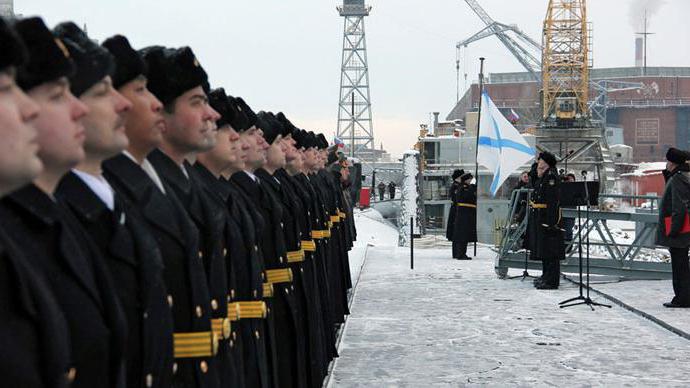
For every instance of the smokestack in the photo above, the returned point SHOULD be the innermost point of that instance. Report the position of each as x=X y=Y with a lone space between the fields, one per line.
x=435 y=121
x=639 y=52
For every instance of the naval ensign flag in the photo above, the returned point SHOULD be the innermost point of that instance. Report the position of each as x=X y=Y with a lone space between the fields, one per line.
x=501 y=147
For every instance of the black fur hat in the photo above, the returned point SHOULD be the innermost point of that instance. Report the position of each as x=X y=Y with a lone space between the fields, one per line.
x=677 y=156
x=466 y=176
x=128 y=62
x=173 y=72
x=219 y=101
x=240 y=122
x=457 y=174
x=549 y=158
x=11 y=46
x=93 y=62
x=248 y=112
x=288 y=127
x=322 y=142
x=270 y=127
x=300 y=137
x=49 y=59
x=311 y=140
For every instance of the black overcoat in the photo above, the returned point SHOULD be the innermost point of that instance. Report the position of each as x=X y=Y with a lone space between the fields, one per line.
x=32 y=326
x=135 y=264
x=58 y=249
x=465 y=220
x=184 y=272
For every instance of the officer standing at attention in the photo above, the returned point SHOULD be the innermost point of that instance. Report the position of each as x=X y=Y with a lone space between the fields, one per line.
x=131 y=252
x=52 y=240
x=545 y=217
x=454 y=186
x=465 y=222
x=136 y=181
x=33 y=327
x=673 y=211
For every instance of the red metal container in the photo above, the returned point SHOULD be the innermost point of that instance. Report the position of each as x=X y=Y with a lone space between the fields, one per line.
x=364 y=197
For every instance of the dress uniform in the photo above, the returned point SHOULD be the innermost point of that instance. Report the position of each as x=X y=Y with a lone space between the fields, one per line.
x=450 y=223
x=54 y=246
x=130 y=251
x=33 y=332
x=545 y=217
x=673 y=210
x=465 y=220
x=294 y=256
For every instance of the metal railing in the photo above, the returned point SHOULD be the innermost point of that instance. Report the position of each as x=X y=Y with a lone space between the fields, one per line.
x=618 y=258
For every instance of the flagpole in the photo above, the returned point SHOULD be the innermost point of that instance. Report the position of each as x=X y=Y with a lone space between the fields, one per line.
x=476 y=148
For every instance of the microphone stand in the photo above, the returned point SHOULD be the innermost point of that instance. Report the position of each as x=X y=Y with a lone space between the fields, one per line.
x=526 y=274
x=586 y=300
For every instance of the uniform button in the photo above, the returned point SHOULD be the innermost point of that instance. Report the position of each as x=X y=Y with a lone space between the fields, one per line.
x=203 y=366
x=232 y=343
x=281 y=259
x=263 y=276
x=256 y=334
x=149 y=380
x=214 y=304
x=256 y=248
x=225 y=252
x=201 y=254
x=281 y=225
x=292 y=288
x=287 y=291
x=199 y=311
x=170 y=300
x=232 y=294
x=71 y=374
x=174 y=367
x=234 y=335
x=256 y=293
x=301 y=270
x=146 y=314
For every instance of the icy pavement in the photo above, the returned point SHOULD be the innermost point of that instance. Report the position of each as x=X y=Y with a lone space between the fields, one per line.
x=454 y=323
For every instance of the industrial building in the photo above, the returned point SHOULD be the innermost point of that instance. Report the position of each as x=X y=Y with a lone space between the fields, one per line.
x=651 y=119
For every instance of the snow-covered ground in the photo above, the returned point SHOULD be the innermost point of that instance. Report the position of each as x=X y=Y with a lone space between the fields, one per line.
x=454 y=323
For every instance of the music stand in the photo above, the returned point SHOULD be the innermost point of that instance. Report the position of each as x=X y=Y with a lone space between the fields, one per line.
x=578 y=194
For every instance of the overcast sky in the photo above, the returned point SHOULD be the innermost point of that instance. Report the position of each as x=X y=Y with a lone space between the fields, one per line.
x=284 y=55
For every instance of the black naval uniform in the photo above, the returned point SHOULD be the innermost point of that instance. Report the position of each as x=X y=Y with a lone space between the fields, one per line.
x=208 y=218
x=319 y=255
x=244 y=231
x=544 y=218
x=184 y=273
x=314 y=334
x=301 y=287
x=33 y=332
x=465 y=220
x=56 y=248
x=136 y=266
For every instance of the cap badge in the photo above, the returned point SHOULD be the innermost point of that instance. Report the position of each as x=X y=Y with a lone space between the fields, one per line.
x=62 y=47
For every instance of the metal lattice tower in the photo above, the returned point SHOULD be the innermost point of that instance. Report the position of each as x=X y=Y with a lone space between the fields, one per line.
x=354 y=106
x=566 y=57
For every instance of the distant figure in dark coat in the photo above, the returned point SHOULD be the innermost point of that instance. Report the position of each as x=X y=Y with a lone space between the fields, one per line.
x=454 y=186
x=382 y=190
x=391 y=190
x=673 y=212
x=465 y=222
x=544 y=219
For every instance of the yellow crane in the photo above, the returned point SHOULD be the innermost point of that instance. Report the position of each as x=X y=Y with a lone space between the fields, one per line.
x=566 y=62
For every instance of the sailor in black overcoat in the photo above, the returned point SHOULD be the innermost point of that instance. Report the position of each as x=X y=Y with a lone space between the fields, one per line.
x=130 y=251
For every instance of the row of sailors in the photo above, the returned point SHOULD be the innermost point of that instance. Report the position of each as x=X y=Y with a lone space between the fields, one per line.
x=155 y=232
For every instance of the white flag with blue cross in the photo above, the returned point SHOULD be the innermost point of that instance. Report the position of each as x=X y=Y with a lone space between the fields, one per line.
x=502 y=149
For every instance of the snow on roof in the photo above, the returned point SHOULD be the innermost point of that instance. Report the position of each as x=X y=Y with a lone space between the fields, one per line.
x=411 y=152
x=647 y=168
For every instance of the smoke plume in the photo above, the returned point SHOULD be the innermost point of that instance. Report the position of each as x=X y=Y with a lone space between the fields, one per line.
x=637 y=10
